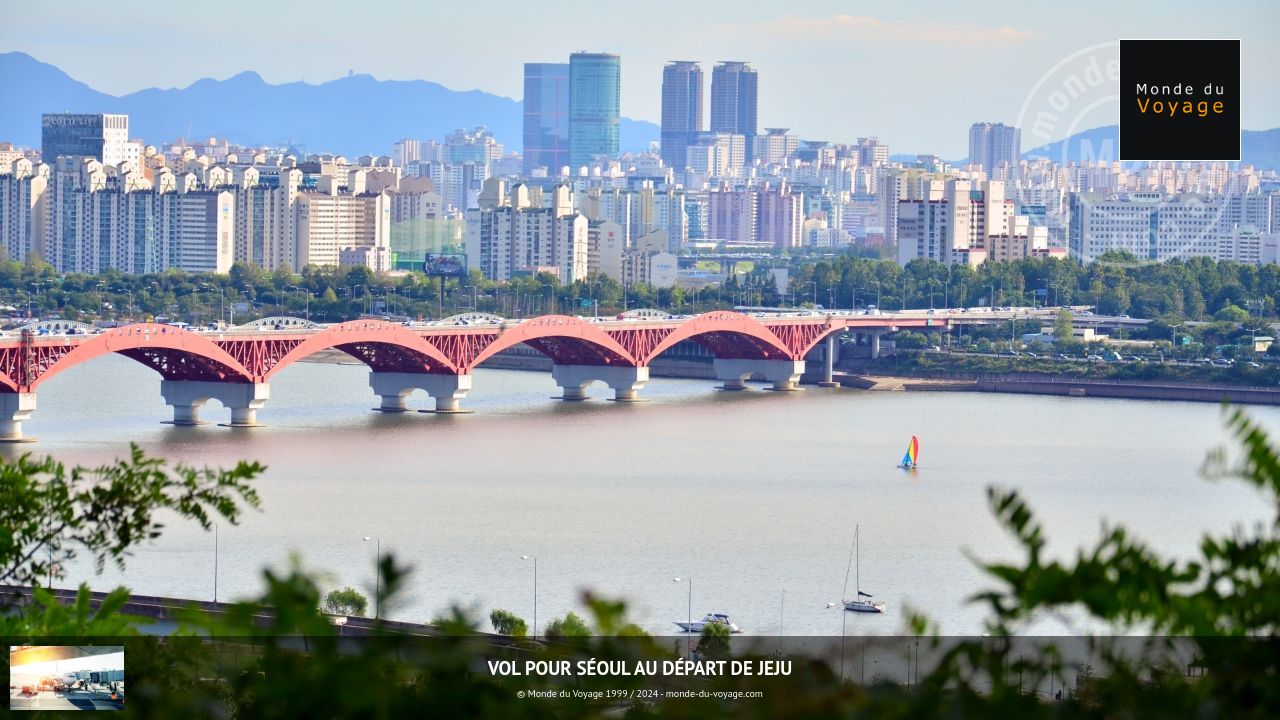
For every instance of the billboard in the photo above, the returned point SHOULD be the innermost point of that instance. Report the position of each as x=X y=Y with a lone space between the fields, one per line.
x=445 y=265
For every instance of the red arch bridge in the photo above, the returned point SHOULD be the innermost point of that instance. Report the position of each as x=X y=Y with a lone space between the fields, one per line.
x=235 y=365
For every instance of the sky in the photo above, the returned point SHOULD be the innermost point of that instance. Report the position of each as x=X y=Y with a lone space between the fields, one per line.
x=916 y=74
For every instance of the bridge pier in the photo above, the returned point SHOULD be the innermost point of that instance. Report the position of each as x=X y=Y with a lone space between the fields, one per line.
x=394 y=388
x=734 y=372
x=829 y=362
x=14 y=409
x=875 y=345
x=188 y=396
x=626 y=381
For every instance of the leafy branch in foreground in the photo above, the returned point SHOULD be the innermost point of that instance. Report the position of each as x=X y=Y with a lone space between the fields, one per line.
x=1232 y=589
x=49 y=515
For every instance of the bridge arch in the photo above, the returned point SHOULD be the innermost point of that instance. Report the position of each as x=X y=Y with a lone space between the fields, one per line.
x=175 y=353
x=728 y=335
x=382 y=345
x=566 y=340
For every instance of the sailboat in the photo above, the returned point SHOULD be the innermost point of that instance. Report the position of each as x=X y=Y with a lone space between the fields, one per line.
x=858 y=603
x=913 y=452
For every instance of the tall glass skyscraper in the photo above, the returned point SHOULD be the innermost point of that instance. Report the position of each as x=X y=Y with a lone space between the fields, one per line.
x=595 y=81
x=734 y=101
x=681 y=110
x=546 y=116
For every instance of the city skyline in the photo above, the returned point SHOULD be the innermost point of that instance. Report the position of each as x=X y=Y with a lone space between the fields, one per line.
x=815 y=60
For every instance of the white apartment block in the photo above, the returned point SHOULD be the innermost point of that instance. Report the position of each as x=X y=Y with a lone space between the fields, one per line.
x=22 y=208
x=508 y=234
x=328 y=223
x=957 y=221
x=1159 y=227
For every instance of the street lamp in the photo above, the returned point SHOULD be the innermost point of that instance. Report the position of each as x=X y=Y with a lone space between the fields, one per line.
x=377 y=588
x=689 y=626
x=535 y=592
x=815 y=293
x=215 y=562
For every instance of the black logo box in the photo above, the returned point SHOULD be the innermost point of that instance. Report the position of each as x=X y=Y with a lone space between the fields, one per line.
x=1185 y=65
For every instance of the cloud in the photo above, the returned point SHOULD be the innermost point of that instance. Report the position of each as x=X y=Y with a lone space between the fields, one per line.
x=870 y=30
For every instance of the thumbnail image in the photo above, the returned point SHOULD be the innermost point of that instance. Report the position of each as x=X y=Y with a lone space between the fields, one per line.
x=66 y=677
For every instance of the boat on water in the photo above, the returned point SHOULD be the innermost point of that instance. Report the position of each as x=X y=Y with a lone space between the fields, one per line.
x=913 y=452
x=709 y=619
x=861 y=601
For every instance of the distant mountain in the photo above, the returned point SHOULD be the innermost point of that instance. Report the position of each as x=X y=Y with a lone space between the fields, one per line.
x=353 y=115
x=1259 y=148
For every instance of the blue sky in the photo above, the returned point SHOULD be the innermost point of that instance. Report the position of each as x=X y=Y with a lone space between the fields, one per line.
x=914 y=73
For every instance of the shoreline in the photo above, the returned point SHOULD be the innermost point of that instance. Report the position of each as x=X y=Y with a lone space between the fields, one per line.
x=1023 y=384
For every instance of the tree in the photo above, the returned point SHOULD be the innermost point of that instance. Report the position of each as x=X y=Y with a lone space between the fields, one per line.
x=1063 y=325
x=347 y=601
x=571 y=626
x=1232 y=313
x=506 y=622
x=714 y=641
x=49 y=515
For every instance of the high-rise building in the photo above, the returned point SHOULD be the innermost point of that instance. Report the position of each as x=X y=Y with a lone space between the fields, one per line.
x=508 y=233
x=22 y=209
x=595 y=82
x=102 y=137
x=681 y=110
x=1158 y=226
x=957 y=221
x=546 y=117
x=994 y=145
x=734 y=87
x=329 y=222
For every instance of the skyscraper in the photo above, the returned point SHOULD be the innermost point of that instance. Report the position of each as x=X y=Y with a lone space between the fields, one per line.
x=991 y=145
x=546 y=116
x=681 y=110
x=595 y=81
x=101 y=137
x=734 y=88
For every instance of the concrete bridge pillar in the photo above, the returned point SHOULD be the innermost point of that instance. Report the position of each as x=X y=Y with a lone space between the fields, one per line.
x=395 y=387
x=188 y=396
x=784 y=374
x=15 y=408
x=626 y=381
x=829 y=362
x=875 y=345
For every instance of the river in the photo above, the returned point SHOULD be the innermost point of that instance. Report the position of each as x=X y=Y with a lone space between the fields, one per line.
x=754 y=496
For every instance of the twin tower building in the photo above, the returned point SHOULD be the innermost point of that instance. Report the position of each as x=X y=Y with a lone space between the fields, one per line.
x=572 y=113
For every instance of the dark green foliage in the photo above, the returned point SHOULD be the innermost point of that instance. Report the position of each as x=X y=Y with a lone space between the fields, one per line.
x=714 y=642
x=49 y=515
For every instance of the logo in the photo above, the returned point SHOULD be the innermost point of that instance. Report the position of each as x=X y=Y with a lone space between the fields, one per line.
x=1180 y=100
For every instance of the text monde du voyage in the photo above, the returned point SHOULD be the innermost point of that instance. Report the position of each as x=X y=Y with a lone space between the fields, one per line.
x=1181 y=99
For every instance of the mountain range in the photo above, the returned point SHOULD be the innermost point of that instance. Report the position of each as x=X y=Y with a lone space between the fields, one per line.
x=346 y=115
x=1259 y=148
x=353 y=115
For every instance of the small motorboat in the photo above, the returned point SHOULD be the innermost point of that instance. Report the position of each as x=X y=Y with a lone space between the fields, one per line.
x=708 y=619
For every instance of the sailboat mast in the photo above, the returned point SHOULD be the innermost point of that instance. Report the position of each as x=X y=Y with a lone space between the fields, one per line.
x=857 y=578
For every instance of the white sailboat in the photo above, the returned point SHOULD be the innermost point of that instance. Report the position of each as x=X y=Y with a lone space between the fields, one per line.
x=861 y=601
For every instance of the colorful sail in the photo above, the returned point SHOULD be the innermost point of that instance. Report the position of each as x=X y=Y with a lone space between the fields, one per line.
x=913 y=452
